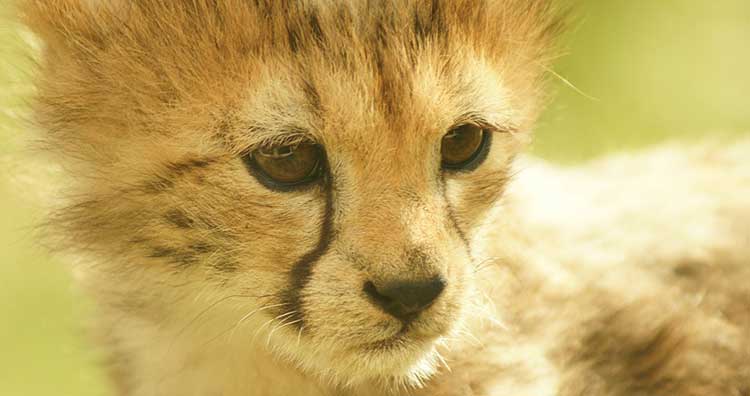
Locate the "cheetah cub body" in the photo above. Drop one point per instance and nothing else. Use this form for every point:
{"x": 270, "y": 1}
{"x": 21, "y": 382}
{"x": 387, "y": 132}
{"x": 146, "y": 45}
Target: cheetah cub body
{"x": 326, "y": 198}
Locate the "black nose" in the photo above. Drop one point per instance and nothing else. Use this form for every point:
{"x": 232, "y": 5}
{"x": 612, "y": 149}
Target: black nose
{"x": 405, "y": 300}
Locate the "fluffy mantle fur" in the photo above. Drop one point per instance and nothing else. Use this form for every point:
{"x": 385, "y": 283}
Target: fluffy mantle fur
{"x": 627, "y": 276}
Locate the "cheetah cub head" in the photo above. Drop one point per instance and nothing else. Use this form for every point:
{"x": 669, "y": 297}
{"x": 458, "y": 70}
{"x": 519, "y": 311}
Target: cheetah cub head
{"x": 307, "y": 177}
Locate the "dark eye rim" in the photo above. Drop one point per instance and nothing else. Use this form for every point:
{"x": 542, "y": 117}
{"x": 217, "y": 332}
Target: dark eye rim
{"x": 272, "y": 184}
{"x": 479, "y": 156}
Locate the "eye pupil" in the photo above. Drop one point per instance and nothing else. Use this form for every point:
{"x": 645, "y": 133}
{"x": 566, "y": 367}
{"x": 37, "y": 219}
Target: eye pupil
{"x": 462, "y": 146}
{"x": 288, "y": 165}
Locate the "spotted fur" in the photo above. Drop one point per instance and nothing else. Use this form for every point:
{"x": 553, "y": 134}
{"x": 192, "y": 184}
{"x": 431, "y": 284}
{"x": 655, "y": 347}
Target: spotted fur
{"x": 559, "y": 282}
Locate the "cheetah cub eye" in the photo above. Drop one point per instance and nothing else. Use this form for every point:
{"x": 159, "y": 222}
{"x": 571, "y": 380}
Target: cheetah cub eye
{"x": 465, "y": 147}
{"x": 287, "y": 167}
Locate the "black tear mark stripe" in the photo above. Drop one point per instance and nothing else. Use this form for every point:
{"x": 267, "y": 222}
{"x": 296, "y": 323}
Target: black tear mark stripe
{"x": 300, "y": 274}
{"x": 459, "y": 231}
{"x": 450, "y": 212}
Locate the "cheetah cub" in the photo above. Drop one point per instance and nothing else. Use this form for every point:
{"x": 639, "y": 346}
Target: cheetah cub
{"x": 326, "y": 198}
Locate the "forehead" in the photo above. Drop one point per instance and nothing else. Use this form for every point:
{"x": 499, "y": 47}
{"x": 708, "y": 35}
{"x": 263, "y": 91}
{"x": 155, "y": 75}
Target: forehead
{"x": 267, "y": 67}
{"x": 340, "y": 69}
{"x": 326, "y": 100}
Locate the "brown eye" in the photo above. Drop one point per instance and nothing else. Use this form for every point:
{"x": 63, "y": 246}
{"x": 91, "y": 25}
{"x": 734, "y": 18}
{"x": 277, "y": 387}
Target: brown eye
{"x": 464, "y": 147}
{"x": 287, "y": 166}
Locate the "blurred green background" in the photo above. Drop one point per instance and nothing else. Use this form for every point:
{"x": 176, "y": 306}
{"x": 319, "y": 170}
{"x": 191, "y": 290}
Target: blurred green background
{"x": 650, "y": 71}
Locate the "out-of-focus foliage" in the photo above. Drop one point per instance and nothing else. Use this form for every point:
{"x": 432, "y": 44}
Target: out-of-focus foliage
{"x": 650, "y": 71}
{"x": 42, "y": 342}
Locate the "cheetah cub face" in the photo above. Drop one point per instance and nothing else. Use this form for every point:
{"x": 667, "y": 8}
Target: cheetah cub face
{"x": 307, "y": 176}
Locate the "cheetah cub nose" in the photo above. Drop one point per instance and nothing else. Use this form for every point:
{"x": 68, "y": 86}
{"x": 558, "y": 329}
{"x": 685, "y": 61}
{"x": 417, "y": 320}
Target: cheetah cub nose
{"x": 405, "y": 299}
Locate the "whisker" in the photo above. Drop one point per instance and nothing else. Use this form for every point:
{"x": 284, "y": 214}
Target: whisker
{"x": 487, "y": 263}
{"x": 280, "y": 326}
{"x": 197, "y": 317}
{"x": 465, "y": 332}
{"x": 281, "y": 323}
{"x": 443, "y": 361}
{"x": 252, "y": 341}
{"x": 203, "y": 312}
{"x": 235, "y": 326}
{"x": 489, "y": 312}
{"x": 250, "y": 314}
{"x": 212, "y": 306}
{"x": 299, "y": 335}
{"x": 569, "y": 84}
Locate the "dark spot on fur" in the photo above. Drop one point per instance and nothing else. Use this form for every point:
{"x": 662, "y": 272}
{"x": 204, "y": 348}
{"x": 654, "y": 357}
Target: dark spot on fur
{"x": 202, "y": 247}
{"x": 636, "y": 350}
{"x": 312, "y": 95}
{"x": 181, "y": 168}
{"x": 159, "y": 184}
{"x": 179, "y": 219}
{"x": 223, "y": 129}
{"x": 687, "y": 269}
{"x": 317, "y": 30}
{"x": 226, "y": 266}
{"x": 181, "y": 258}
{"x": 163, "y": 182}
{"x": 184, "y": 258}
{"x": 178, "y": 168}
{"x": 293, "y": 37}
{"x": 381, "y": 34}
{"x": 201, "y": 163}
{"x": 648, "y": 358}
{"x": 426, "y": 25}
{"x": 344, "y": 20}
{"x": 161, "y": 251}
{"x": 386, "y": 82}
{"x": 265, "y": 7}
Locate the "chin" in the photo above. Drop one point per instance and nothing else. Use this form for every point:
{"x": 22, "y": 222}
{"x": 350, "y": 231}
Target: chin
{"x": 397, "y": 364}
{"x": 403, "y": 360}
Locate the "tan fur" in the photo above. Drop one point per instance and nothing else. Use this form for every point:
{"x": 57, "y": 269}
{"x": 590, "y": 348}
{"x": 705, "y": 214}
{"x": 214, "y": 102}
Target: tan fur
{"x": 620, "y": 278}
